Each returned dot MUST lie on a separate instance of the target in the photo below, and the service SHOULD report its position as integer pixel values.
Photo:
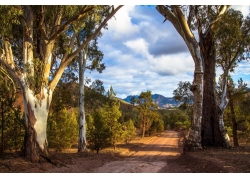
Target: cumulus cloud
(121, 26)
(172, 65)
(143, 53)
(138, 46)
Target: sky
(142, 53)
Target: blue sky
(143, 53)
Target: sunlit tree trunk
(82, 141)
(36, 114)
(222, 107)
(36, 82)
(177, 18)
(205, 124)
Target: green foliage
(238, 110)
(11, 124)
(111, 114)
(35, 80)
(98, 133)
(130, 131)
(231, 40)
(12, 130)
(156, 126)
(9, 18)
(229, 131)
(94, 96)
(104, 129)
(145, 106)
(183, 93)
(176, 119)
(62, 128)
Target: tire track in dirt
(150, 157)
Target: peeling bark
(194, 135)
(37, 96)
(178, 20)
(207, 128)
(222, 107)
(36, 114)
(82, 141)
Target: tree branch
(84, 10)
(222, 10)
(65, 62)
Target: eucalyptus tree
(231, 40)
(89, 59)
(92, 54)
(145, 103)
(237, 96)
(205, 128)
(38, 43)
(183, 94)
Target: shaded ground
(162, 153)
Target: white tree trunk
(194, 136)
(82, 141)
(176, 17)
(222, 106)
(36, 114)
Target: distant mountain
(162, 101)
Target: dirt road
(150, 157)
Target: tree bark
(194, 135)
(37, 97)
(82, 141)
(212, 131)
(36, 114)
(222, 107)
(205, 129)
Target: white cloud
(120, 25)
(139, 46)
(133, 65)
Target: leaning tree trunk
(82, 142)
(177, 18)
(221, 109)
(36, 114)
(210, 131)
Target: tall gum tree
(89, 59)
(44, 36)
(231, 40)
(205, 124)
(92, 55)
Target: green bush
(62, 129)
(130, 131)
(97, 132)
